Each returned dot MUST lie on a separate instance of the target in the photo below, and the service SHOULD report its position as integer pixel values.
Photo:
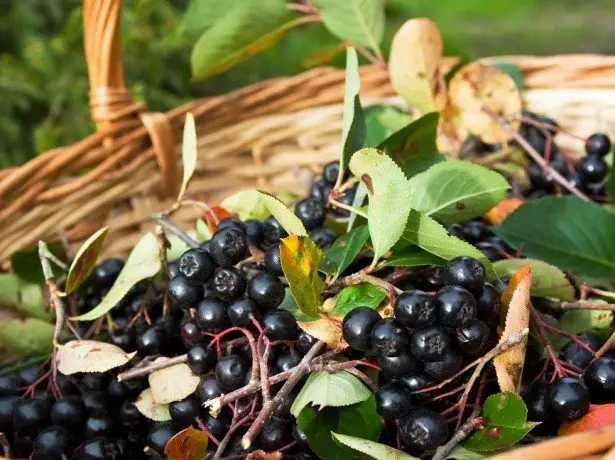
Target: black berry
(475, 231)
(467, 272)
(266, 290)
(357, 327)
(68, 411)
(456, 306)
(600, 380)
(445, 368)
(280, 325)
(240, 312)
(191, 334)
(98, 424)
(30, 415)
(151, 342)
(473, 338)
(183, 294)
(228, 284)
(305, 341)
(105, 274)
(430, 343)
(51, 444)
(398, 366)
(209, 388)
(575, 354)
(275, 435)
(423, 429)
(184, 412)
(389, 337)
(330, 171)
(100, 449)
(592, 169)
(393, 400)
(231, 372)
(94, 401)
(158, 437)
(201, 359)
(287, 360)
(211, 315)
(598, 144)
(196, 265)
(323, 237)
(310, 212)
(228, 246)
(415, 309)
(569, 398)
(272, 260)
(488, 302)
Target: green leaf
(9, 289)
(455, 191)
(333, 389)
(189, 151)
(242, 28)
(358, 420)
(426, 233)
(290, 305)
(505, 423)
(285, 216)
(23, 337)
(574, 235)
(595, 321)
(85, 260)
(359, 199)
(361, 295)
(27, 265)
(143, 262)
(413, 257)
(358, 21)
(461, 453)
(203, 232)
(387, 190)
(381, 122)
(512, 70)
(247, 204)
(26, 298)
(353, 128)
(343, 252)
(178, 247)
(300, 257)
(371, 448)
(547, 280)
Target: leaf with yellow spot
(300, 258)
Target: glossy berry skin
(445, 368)
(357, 327)
(129, 414)
(105, 273)
(592, 169)
(304, 342)
(98, 424)
(94, 401)
(473, 338)
(579, 356)
(228, 246)
(423, 429)
(416, 382)
(266, 290)
(310, 212)
(96, 381)
(389, 337)
(183, 294)
(538, 404)
(100, 449)
(184, 412)
(254, 232)
(272, 260)
(321, 190)
(151, 342)
(457, 231)
(430, 343)
(430, 280)
(456, 306)
(196, 265)
(415, 309)
(240, 311)
(201, 359)
(275, 435)
(209, 388)
(211, 315)
(51, 443)
(68, 411)
(467, 272)
(488, 302)
(232, 222)
(398, 366)
(30, 415)
(330, 172)
(158, 437)
(598, 144)
(287, 360)
(7, 406)
(569, 398)
(475, 231)
(191, 334)
(323, 237)
(10, 384)
(228, 284)
(393, 400)
(599, 377)
(272, 232)
(280, 325)
(231, 372)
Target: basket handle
(110, 101)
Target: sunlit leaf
(188, 444)
(172, 383)
(413, 257)
(598, 416)
(149, 408)
(247, 204)
(189, 152)
(361, 295)
(383, 121)
(90, 356)
(373, 449)
(85, 260)
(24, 337)
(287, 219)
(327, 329)
(344, 250)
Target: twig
(54, 291)
(175, 230)
(269, 406)
(264, 368)
(6, 447)
(572, 337)
(229, 434)
(605, 348)
(364, 378)
(347, 207)
(541, 327)
(251, 342)
(462, 433)
(581, 305)
(163, 244)
(146, 370)
(51, 256)
(152, 453)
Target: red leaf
(214, 215)
(500, 211)
(188, 444)
(597, 417)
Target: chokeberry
(7, 406)
(357, 327)
(416, 382)
(467, 272)
(232, 222)
(266, 290)
(183, 294)
(321, 190)
(228, 284)
(228, 246)
(323, 237)
(30, 415)
(393, 400)
(287, 360)
(473, 337)
(173, 269)
(94, 401)
(9, 385)
(231, 372)
(275, 435)
(94, 381)
(241, 311)
(254, 232)
(51, 444)
(430, 343)
(446, 367)
(272, 232)
(579, 356)
(599, 377)
(423, 429)
(98, 424)
(389, 337)
(490, 251)
(68, 411)
(184, 412)
(196, 265)
(158, 437)
(217, 426)
(305, 341)
(191, 334)
(475, 231)
(29, 375)
(488, 302)
(310, 212)
(100, 449)
(598, 144)
(538, 404)
(569, 398)
(201, 359)
(151, 341)
(415, 309)
(456, 306)
(280, 325)
(592, 169)
(105, 273)
(211, 315)
(330, 171)
(398, 366)
(457, 230)
(209, 388)
(129, 414)
(272, 260)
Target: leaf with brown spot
(326, 328)
(149, 408)
(514, 317)
(477, 89)
(262, 455)
(300, 258)
(90, 356)
(598, 416)
(414, 65)
(85, 260)
(188, 444)
(500, 211)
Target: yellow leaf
(500, 211)
(326, 328)
(515, 316)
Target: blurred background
(43, 81)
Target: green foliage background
(43, 81)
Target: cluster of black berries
(478, 233)
(425, 341)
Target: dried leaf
(262, 455)
(172, 383)
(85, 260)
(497, 214)
(326, 329)
(414, 64)
(597, 417)
(188, 444)
(189, 151)
(90, 356)
(151, 409)
(477, 89)
(515, 317)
